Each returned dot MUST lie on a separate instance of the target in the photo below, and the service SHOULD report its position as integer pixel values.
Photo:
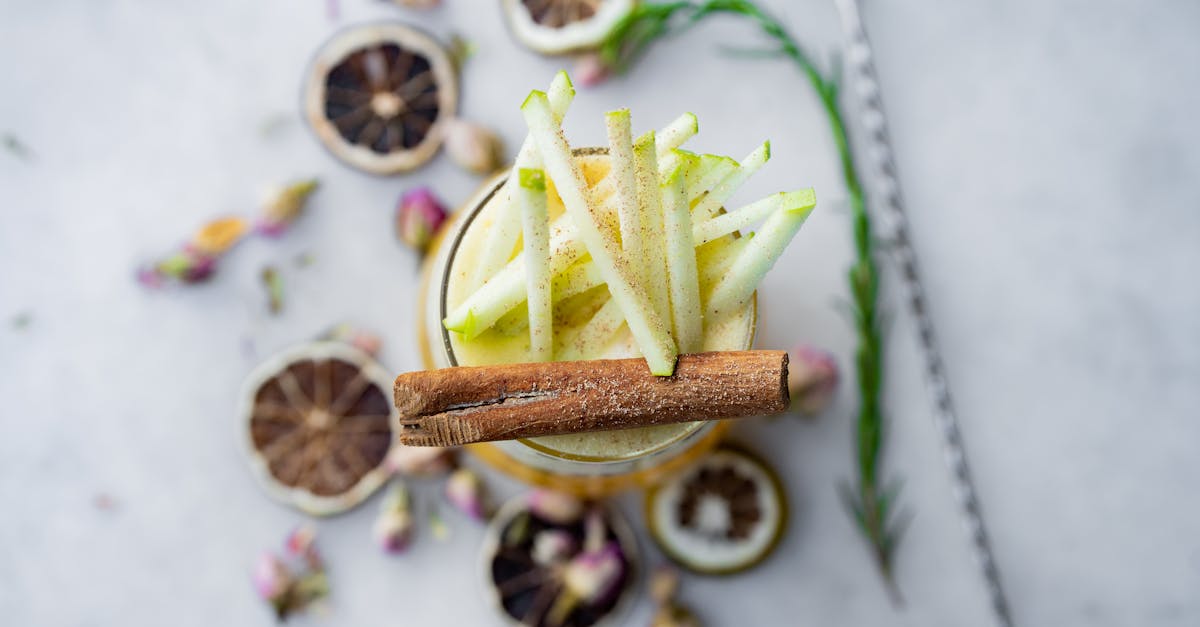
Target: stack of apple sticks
(668, 204)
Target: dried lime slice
(722, 516)
(319, 422)
(378, 95)
(560, 26)
(550, 559)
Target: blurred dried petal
(420, 461)
(219, 236)
(273, 284)
(674, 616)
(417, 4)
(465, 491)
(664, 584)
(812, 379)
(551, 546)
(595, 531)
(283, 206)
(301, 542)
(437, 525)
(473, 146)
(418, 218)
(393, 527)
(592, 576)
(555, 507)
(271, 577)
(591, 70)
(188, 266)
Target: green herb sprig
(870, 500)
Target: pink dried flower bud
(420, 461)
(465, 491)
(283, 206)
(812, 379)
(418, 218)
(271, 577)
(552, 546)
(301, 542)
(473, 146)
(555, 507)
(393, 527)
(591, 69)
(592, 576)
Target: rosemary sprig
(869, 500)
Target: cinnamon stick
(462, 405)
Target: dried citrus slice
(319, 424)
(378, 95)
(722, 516)
(560, 26)
(550, 559)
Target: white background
(1048, 152)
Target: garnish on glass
(870, 500)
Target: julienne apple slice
(687, 319)
(733, 291)
(673, 135)
(654, 253)
(701, 172)
(709, 206)
(648, 330)
(752, 213)
(579, 278)
(506, 289)
(502, 237)
(666, 139)
(531, 195)
(622, 172)
(714, 259)
(592, 338)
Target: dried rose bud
(271, 577)
(555, 507)
(188, 266)
(552, 546)
(812, 379)
(465, 491)
(301, 542)
(473, 147)
(283, 206)
(418, 218)
(664, 583)
(420, 461)
(591, 69)
(592, 576)
(394, 525)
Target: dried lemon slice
(319, 422)
(377, 97)
(560, 26)
(722, 516)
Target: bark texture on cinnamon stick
(462, 405)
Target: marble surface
(1048, 152)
